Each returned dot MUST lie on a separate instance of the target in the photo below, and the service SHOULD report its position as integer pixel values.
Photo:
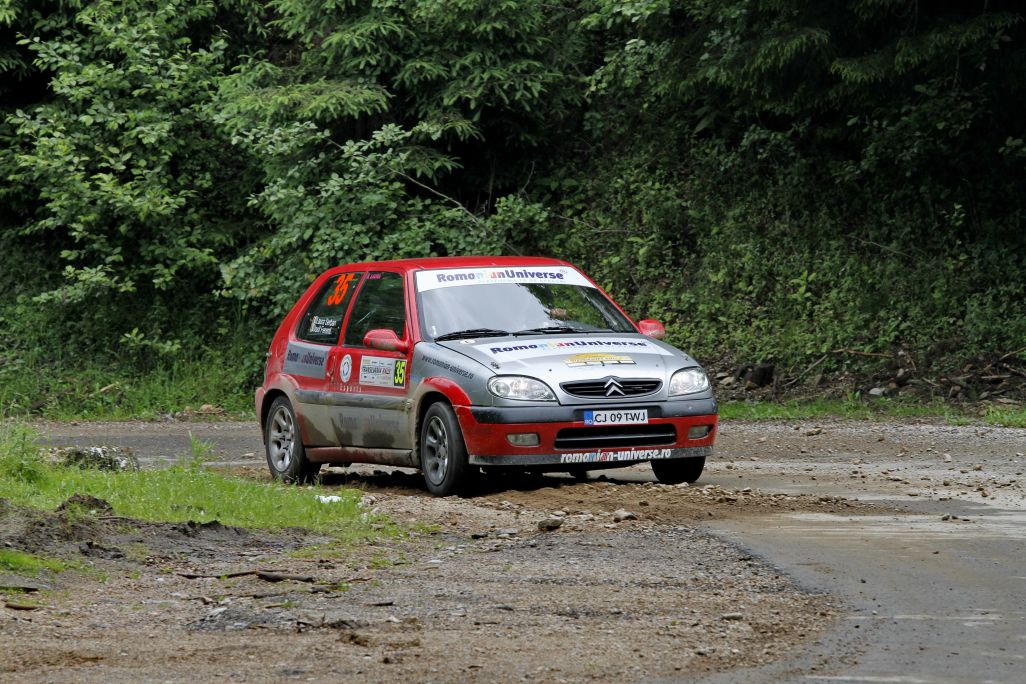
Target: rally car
(454, 365)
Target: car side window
(381, 304)
(322, 322)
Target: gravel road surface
(902, 546)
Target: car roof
(427, 263)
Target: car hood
(562, 358)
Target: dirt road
(837, 551)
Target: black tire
(677, 470)
(443, 453)
(283, 444)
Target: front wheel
(677, 470)
(286, 456)
(443, 454)
(579, 474)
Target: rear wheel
(677, 470)
(443, 454)
(286, 456)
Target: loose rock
(86, 502)
(550, 524)
(95, 458)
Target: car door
(377, 381)
(311, 356)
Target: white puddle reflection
(1005, 524)
(875, 679)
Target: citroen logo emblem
(613, 386)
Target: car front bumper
(486, 431)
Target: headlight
(688, 381)
(520, 387)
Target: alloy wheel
(281, 439)
(436, 451)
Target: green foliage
(134, 199)
(356, 122)
(114, 154)
(426, 61)
(19, 18)
(342, 204)
(774, 178)
(805, 176)
(60, 390)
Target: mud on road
(475, 591)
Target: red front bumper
(488, 443)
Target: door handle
(332, 363)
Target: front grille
(615, 436)
(602, 389)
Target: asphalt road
(930, 600)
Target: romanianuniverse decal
(516, 350)
(307, 360)
(454, 277)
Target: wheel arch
(432, 391)
(265, 408)
(429, 399)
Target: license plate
(616, 417)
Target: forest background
(837, 183)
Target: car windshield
(491, 309)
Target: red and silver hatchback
(451, 365)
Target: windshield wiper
(470, 332)
(550, 330)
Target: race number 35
(399, 377)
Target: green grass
(874, 409)
(1006, 417)
(29, 564)
(186, 491)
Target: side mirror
(385, 340)
(652, 328)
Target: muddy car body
(452, 365)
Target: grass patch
(831, 408)
(186, 491)
(29, 564)
(875, 409)
(1006, 417)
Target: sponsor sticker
(445, 365)
(307, 360)
(454, 277)
(516, 350)
(377, 371)
(612, 456)
(597, 359)
(616, 417)
(323, 325)
(346, 368)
